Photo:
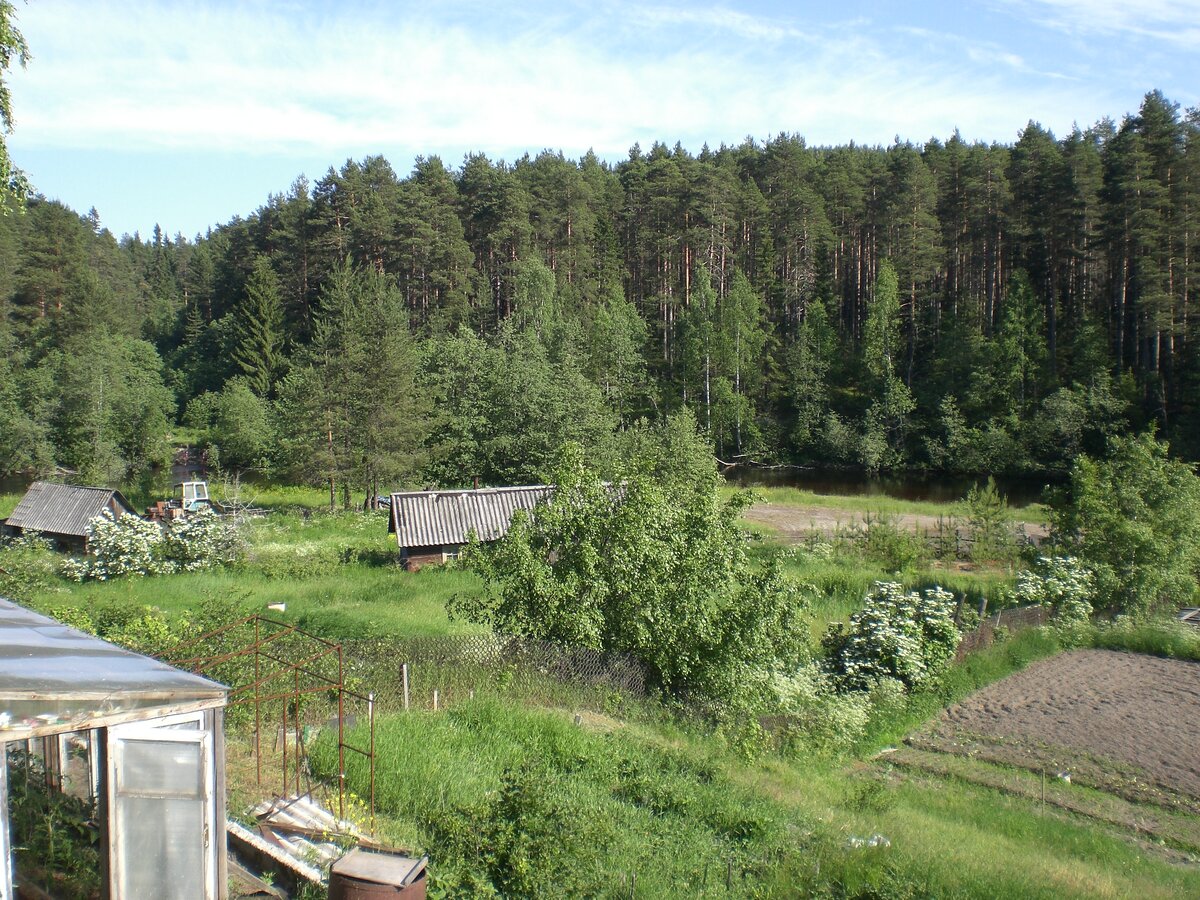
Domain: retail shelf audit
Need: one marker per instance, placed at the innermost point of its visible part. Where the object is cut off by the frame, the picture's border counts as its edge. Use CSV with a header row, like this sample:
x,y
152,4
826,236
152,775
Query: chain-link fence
x,y
429,672
1015,619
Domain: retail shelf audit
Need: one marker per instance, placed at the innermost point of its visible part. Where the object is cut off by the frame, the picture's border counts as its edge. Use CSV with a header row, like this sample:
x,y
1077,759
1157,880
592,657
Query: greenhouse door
x,y
161,810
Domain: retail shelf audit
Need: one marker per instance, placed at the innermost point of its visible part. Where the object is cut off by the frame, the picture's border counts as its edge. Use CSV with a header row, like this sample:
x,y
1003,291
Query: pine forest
x,y
955,307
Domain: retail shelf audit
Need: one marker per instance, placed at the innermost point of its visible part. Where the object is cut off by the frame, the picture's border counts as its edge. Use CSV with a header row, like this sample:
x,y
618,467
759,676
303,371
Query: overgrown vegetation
x,y
1133,519
664,577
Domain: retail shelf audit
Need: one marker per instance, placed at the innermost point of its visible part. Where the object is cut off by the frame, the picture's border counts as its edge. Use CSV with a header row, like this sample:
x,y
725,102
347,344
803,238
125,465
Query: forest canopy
x,y
956,306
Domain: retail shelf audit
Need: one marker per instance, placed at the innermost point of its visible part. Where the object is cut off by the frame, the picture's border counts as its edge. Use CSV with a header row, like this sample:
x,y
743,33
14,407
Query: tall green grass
x,y
522,801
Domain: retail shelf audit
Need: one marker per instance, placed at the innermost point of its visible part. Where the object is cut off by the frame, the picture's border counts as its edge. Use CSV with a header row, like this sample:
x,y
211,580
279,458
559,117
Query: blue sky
x,y
186,114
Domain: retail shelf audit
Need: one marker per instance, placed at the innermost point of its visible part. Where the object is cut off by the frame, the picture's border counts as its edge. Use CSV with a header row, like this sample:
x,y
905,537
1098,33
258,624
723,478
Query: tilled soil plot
x,y
1139,711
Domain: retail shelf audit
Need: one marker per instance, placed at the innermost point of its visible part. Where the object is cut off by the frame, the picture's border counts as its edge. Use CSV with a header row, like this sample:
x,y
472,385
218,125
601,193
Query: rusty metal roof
x,y
436,518
62,508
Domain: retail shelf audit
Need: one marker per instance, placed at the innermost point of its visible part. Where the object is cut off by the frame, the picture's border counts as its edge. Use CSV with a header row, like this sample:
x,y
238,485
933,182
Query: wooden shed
x,y
128,748
61,512
431,527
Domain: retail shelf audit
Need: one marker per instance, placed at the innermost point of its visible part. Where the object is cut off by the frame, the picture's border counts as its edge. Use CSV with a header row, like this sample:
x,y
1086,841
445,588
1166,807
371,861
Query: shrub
x,y
27,566
910,637
198,541
987,514
822,720
1134,520
1062,583
123,545
884,539
129,545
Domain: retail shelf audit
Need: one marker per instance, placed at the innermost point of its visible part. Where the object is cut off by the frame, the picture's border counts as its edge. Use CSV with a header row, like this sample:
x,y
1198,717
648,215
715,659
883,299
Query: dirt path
x,y
1086,707
795,523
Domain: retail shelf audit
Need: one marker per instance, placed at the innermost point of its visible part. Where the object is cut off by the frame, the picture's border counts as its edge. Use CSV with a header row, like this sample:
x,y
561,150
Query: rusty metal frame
x,y
263,691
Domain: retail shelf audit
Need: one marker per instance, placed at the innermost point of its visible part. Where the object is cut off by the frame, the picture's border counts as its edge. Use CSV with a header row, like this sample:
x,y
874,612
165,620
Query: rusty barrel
x,y
363,874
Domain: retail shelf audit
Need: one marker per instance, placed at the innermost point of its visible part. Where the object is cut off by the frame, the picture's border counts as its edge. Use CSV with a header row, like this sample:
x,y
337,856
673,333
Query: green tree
x,y
628,569
1133,519
12,47
238,423
616,345
110,419
351,414
259,319
891,400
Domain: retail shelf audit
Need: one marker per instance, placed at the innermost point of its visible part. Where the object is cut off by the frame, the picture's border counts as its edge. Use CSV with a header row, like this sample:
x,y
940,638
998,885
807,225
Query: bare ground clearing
x,y
1124,722
796,523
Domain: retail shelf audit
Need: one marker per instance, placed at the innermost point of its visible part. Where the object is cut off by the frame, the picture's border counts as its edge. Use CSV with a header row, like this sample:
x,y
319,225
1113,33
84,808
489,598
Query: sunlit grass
x,y
859,505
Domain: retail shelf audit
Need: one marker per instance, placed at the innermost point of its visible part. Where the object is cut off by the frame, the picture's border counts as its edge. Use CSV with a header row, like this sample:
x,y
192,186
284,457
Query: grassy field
x,y
337,573
524,800
882,505
511,795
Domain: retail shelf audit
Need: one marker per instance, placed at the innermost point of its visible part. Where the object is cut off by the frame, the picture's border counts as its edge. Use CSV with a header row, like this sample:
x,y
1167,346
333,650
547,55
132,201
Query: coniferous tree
x,y
259,329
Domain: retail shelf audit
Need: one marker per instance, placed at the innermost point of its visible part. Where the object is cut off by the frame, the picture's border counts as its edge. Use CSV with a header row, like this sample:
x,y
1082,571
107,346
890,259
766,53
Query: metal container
x,y
373,873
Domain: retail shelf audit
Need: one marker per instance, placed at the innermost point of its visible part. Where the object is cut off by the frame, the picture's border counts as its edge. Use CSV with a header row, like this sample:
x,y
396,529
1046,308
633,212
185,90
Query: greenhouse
x,y
114,758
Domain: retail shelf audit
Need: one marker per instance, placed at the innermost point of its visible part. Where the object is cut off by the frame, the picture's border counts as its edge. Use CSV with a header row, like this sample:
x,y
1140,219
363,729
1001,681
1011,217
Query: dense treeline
x,y
957,306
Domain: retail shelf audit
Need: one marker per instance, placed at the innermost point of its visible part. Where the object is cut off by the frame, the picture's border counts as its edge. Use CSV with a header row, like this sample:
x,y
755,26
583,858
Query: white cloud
x,y
1176,22
263,79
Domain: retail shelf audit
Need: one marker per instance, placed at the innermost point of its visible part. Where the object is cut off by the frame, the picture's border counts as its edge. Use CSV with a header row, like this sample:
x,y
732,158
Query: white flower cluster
x,y
1064,584
909,636
129,545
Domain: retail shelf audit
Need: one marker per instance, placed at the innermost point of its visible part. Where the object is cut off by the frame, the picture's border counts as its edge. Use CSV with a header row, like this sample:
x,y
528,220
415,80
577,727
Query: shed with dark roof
x,y
432,526
61,512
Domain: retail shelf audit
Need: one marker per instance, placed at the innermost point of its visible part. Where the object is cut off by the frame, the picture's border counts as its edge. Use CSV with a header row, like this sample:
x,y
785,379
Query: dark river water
x,y
936,488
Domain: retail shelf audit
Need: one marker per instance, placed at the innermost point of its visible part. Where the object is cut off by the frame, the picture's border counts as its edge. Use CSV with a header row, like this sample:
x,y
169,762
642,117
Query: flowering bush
x,y
129,545
823,720
200,540
910,637
123,545
1062,583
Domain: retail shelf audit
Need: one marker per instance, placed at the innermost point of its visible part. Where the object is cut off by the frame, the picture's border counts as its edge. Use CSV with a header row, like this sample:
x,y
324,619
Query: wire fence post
x,y
404,675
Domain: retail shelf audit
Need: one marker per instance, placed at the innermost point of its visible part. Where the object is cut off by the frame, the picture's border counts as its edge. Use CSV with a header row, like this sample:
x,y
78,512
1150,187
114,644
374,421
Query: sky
x,y
186,114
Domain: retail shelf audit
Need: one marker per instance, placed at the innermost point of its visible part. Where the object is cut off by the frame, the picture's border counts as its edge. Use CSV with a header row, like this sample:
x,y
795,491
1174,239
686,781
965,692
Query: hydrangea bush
x,y
909,636
129,545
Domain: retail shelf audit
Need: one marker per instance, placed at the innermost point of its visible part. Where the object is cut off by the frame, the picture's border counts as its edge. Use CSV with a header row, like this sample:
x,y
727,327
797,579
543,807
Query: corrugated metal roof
x,y
52,677
436,518
62,508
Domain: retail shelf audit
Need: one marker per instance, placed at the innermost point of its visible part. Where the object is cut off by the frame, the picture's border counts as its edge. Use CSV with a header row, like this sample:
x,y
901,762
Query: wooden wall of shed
x,y
417,557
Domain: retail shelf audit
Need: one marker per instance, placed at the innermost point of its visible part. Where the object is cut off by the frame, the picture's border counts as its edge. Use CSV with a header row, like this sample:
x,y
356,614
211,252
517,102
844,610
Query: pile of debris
x,y
298,842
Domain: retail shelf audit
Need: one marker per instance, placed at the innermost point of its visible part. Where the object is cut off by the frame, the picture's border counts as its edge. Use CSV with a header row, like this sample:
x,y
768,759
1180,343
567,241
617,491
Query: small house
x,y
61,512
134,741
431,527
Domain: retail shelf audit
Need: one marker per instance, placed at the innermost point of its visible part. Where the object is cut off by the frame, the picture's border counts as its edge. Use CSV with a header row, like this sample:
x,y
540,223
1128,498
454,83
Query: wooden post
x,y
435,699
404,676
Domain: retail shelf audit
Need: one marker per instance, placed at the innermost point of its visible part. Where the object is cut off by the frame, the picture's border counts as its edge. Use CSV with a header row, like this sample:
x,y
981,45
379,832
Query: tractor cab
x,y
192,495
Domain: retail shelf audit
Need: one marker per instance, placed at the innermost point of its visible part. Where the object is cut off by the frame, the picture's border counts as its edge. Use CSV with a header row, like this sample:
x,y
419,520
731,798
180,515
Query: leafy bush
x,y
129,545
1061,583
821,719
1134,520
910,637
28,566
665,578
199,541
